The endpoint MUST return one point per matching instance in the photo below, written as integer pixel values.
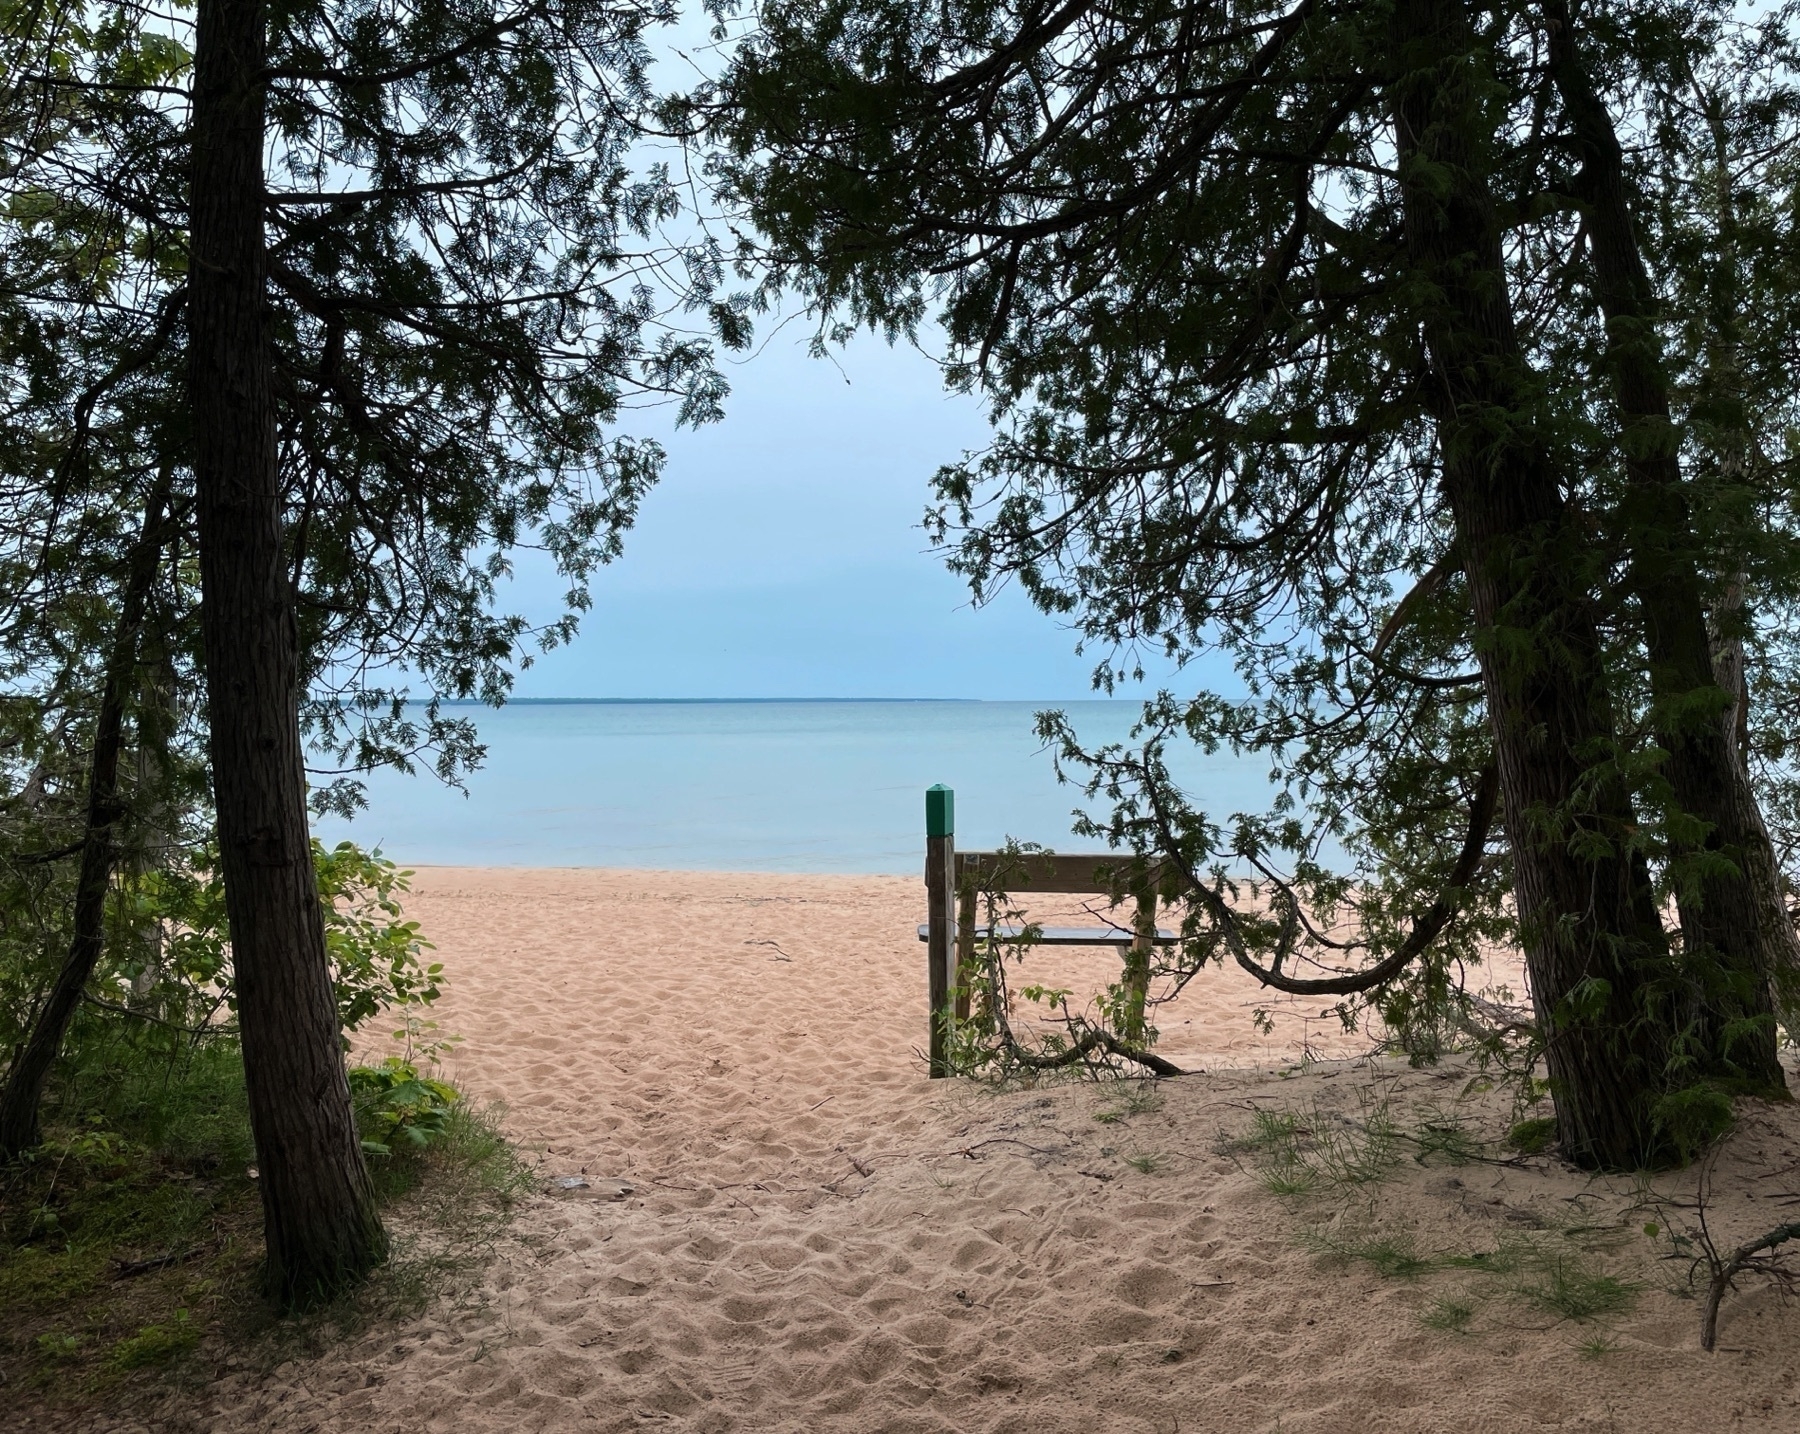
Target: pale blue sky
(782, 554)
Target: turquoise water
(752, 786)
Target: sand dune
(818, 1238)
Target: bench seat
(1073, 935)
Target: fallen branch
(1090, 1041)
(130, 1269)
(1745, 1257)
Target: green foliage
(1598, 1346)
(145, 1160)
(55, 1345)
(397, 1107)
(1393, 1257)
(1695, 1117)
(453, 349)
(376, 954)
(1452, 1314)
(1108, 1035)
(146, 1169)
(1568, 1287)
(156, 1343)
(1541, 1272)
(1300, 1151)
(1139, 1098)
(1532, 1136)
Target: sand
(819, 1238)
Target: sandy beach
(809, 1235)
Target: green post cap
(940, 811)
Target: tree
(407, 339)
(1281, 311)
(23, 1092)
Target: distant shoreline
(771, 701)
(695, 701)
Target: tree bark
(1733, 949)
(21, 1102)
(1595, 949)
(320, 1224)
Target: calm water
(752, 786)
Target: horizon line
(745, 701)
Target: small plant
(1144, 1164)
(1451, 1313)
(156, 1344)
(1506, 1259)
(1445, 1137)
(1598, 1346)
(1272, 1132)
(1533, 1136)
(397, 1106)
(1566, 1287)
(55, 1345)
(1287, 1179)
(1393, 1257)
(375, 952)
(1302, 1152)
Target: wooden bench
(954, 882)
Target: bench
(954, 882)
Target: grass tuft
(1598, 1346)
(1393, 1257)
(1565, 1286)
(1451, 1313)
(1297, 1152)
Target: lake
(753, 786)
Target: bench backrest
(1039, 871)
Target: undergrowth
(130, 1240)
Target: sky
(782, 555)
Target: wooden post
(965, 946)
(1137, 968)
(940, 889)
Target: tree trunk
(24, 1093)
(1733, 950)
(1595, 949)
(1725, 379)
(320, 1224)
